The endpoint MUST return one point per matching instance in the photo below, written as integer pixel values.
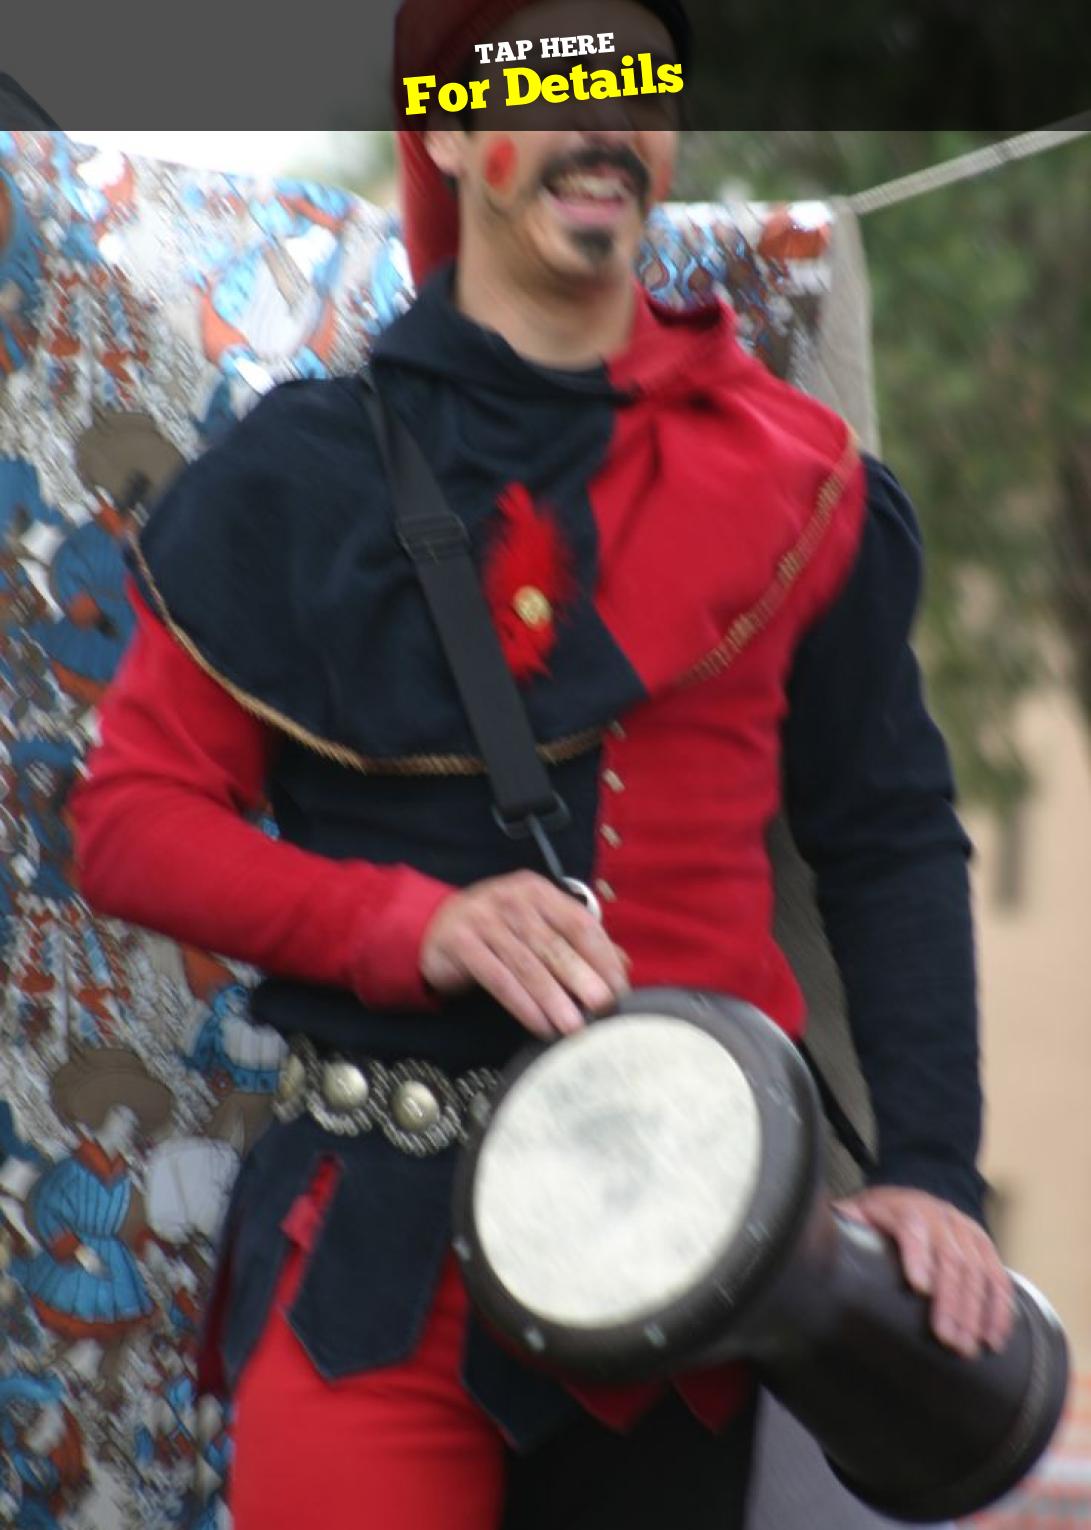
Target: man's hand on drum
(536, 949)
(946, 1256)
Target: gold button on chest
(532, 607)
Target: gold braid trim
(745, 628)
(555, 753)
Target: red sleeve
(161, 840)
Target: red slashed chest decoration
(527, 578)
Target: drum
(645, 1198)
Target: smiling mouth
(596, 198)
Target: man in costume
(705, 596)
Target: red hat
(426, 34)
(429, 208)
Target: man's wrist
(959, 1184)
(386, 973)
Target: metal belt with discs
(418, 1108)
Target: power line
(964, 168)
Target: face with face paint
(557, 207)
(566, 202)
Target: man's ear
(447, 147)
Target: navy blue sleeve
(870, 799)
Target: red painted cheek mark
(500, 163)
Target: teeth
(598, 188)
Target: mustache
(601, 158)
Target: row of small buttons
(613, 783)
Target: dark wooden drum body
(646, 1197)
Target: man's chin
(587, 256)
(584, 251)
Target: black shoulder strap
(439, 546)
(843, 1129)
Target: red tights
(407, 1448)
(404, 1448)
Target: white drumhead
(617, 1170)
